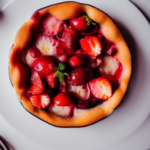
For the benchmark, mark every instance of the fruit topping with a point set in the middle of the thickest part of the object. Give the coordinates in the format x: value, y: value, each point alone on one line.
x: 51, y: 25
x: 61, y: 55
x: 62, y: 99
x: 95, y: 62
x: 101, y: 88
x: 109, y: 47
x: 37, y: 84
x: 44, y: 64
x: 63, y: 111
x: 77, y: 61
x: 34, y: 52
x: 51, y: 79
x: 82, y: 22
x: 40, y: 101
x: 81, y: 92
x: 91, y: 45
x: 80, y: 76
x: 110, y: 66
x: 70, y: 40
x: 46, y: 45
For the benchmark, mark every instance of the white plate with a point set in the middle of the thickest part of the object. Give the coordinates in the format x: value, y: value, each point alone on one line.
x: 122, y: 122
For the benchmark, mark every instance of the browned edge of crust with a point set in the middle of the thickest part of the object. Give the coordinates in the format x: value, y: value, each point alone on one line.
x: 19, y: 73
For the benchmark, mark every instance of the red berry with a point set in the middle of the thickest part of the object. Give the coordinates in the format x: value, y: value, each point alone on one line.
x: 40, y: 101
x: 44, y: 64
x: 80, y: 23
x: 77, y: 61
x: 101, y: 88
x: 80, y: 76
x: 91, y: 45
x: 51, y: 79
x: 61, y: 55
x: 70, y: 40
x: 51, y: 25
x: 37, y: 85
x: 62, y: 99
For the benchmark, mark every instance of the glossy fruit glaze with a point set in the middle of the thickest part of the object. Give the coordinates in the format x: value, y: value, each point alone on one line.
x: 72, y: 65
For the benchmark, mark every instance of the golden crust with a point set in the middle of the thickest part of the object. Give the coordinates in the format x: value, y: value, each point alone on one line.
x: 19, y: 73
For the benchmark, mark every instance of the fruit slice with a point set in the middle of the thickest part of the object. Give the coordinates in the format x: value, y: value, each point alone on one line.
x: 101, y: 88
x: 63, y: 111
x: 81, y: 92
x: 40, y: 101
x: 51, y: 79
x: 62, y: 99
x: 110, y: 66
x: 91, y: 45
x: 70, y: 40
x: 51, y: 25
x: 44, y: 64
x: 46, y: 45
x: 80, y: 76
x: 37, y: 84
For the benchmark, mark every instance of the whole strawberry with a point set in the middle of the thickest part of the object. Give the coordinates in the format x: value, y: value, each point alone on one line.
x: 82, y: 22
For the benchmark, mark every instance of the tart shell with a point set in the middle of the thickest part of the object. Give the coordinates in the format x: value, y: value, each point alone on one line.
x: 19, y: 73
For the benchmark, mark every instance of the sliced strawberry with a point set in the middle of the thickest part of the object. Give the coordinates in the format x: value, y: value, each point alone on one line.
x: 40, y: 101
x: 37, y: 84
x: 81, y: 92
x: 77, y: 61
x: 44, y: 64
x: 62, y: 99
x: 51, y: 25
x: 110, y: 66
x: 46, y: 45
x: 91, y: 45
x: 51, y: 79
x: 80, y: 23
x: 101, y: 88
x: 63, y: 111
x: 70, y: 40
x: 27, y: 57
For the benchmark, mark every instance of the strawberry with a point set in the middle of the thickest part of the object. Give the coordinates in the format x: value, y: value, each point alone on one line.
x: 37, y: 85
x: 81, y: 92
x: 101, y: 88
x: 110, y: 66
x: 61, y: 54
x: 91, y: 45
x: 51, y: 25
x: 62, y: 99
x: 80, y: 76
x: 40, y: 101
x: 77, y: 61
x: 51, y: 79
x: 81, y: 23
x: 70, y: 40
x: 46, y: 45
x: 44, y: 64
x: 34, y: 52
x: 63, y: 111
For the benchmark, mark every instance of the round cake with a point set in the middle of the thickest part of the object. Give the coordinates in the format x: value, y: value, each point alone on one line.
x: 70, y: 65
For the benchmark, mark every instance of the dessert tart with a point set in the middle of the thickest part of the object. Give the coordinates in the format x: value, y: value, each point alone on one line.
x: 70, y: 65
